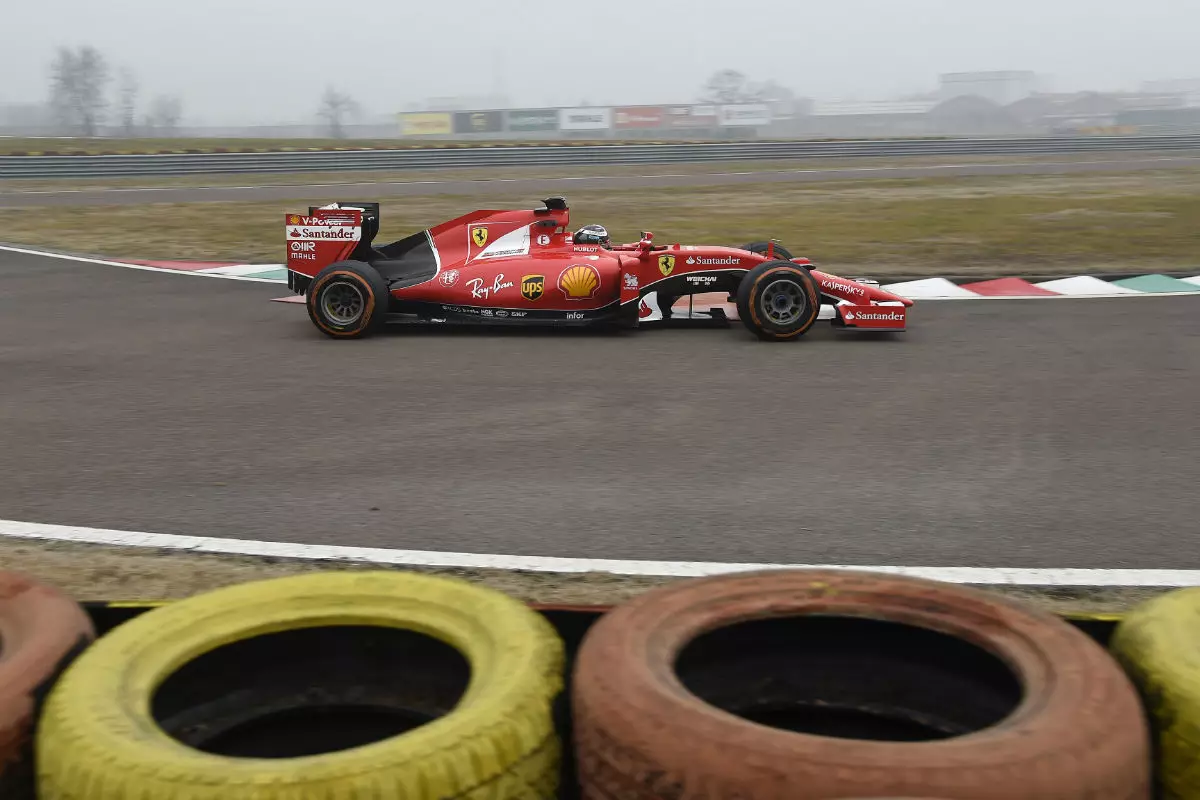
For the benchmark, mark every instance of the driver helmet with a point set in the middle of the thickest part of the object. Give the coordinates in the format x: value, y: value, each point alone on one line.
x: 593, y: 234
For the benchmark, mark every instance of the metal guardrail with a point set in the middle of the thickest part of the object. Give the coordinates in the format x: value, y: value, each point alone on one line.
x: 112, y: 166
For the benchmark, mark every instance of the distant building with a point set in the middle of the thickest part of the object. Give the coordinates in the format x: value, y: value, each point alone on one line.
x: 1002, y: 88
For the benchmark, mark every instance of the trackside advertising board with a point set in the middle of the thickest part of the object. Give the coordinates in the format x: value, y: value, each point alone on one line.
x: 744, y: 115
x: 638, y: 117
x: 425, y: 123
x: 584, y: 119
x: 531, y: 119
x: 478, y: 122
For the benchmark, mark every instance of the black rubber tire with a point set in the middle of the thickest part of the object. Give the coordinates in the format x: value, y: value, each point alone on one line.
x: 749, y: 298
x: 781, y: 252
x: 369, y: 283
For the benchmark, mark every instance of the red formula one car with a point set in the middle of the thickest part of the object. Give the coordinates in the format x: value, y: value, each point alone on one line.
x: 528, y: 268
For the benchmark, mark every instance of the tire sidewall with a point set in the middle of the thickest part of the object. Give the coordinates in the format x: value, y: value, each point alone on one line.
x: 367, y: 281
x: 750, y: 293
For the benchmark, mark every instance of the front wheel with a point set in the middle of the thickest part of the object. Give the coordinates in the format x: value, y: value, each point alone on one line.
x: 348, y: 300
x: 778, y: 300
x: 761, y: 248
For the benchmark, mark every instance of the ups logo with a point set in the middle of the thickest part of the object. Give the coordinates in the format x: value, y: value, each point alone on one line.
x: 533, y: 286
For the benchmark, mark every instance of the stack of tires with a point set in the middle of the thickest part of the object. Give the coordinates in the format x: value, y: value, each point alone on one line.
x: 785, y: 684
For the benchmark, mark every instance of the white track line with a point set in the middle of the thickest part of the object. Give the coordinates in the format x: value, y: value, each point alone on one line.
x: 429, y: 558
x: 63, y: 257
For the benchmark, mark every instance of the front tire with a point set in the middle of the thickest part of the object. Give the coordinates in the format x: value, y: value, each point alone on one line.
x: 761, y: 249
x: 778, y: 301
x: 348, y: 300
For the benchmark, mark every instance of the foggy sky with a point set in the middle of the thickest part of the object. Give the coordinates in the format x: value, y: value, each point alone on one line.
x: 266, y: 61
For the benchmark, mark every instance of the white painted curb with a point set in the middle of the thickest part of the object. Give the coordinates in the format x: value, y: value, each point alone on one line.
x: 995, y: 576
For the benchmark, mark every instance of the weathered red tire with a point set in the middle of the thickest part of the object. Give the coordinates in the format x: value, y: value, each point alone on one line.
x: 41, y: 631
x: 1074, y: 727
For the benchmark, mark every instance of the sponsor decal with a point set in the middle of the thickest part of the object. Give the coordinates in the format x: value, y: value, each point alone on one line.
x: 631, y: 281
x: 579, y: 282
x: 848, y: 288
x: 479, y: 291
x: 518, y: 313
x: 533, y: 287
x: 325, y: 233
x: 714, y: 262
x: 874, y: 315
x: 293, y: 219
x: 574, y: 315
x: 302, y: 247
x: 581, y: 248
x: 486, y: 312
x: 449, y: 277
x: 502, y: 313
x: 702, y: 280
x: 461, y: 310
x: 543, y: 239
x: 666, y: 264
x: 513, y: 243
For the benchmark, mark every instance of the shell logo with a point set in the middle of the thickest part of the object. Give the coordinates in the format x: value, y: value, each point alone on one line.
x: 293, y: 220
x: 579, y: 282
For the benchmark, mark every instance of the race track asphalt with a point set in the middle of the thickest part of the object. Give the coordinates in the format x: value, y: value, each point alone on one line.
x: 1034, y: 433
x: 260, y: 188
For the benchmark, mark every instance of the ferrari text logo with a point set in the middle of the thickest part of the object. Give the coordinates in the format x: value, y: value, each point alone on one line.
x: 666, y: 265
x: 479, y: 236
x: 533, y: 286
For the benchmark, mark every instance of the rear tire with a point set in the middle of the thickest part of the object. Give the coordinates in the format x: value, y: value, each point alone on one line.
x: 778, y: 301
x: 348, y: 300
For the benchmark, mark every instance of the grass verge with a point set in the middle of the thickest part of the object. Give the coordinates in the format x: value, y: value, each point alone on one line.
x: 1046, y: 224
x: 104, y: 573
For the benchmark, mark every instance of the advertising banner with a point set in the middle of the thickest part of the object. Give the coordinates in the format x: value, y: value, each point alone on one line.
x: 532, y: 119
x: 691, y: 116
x: 745, y: 115
x: 478, y: 122
x: 638, y: 117
x: 425, y: 123
x: 584, y: 119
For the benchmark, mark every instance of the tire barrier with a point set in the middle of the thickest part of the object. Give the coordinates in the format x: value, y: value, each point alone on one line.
x: 357, y: 684
x: 1158, y: 644
x: 817, y: 684
x: 41, y: 631
x: 792, y: 683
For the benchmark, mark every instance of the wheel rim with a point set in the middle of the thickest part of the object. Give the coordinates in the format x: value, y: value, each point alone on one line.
x: 343, y: 303
x: 783, y: 302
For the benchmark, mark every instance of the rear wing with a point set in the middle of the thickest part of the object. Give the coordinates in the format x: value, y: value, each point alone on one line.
x: 328, y: 234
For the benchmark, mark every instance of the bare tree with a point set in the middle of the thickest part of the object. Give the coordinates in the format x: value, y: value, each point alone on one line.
x: 78, y: 81
x: 127, y: 93
x: 727, y: 86
x: 335, y: 106
x: 165, y: 113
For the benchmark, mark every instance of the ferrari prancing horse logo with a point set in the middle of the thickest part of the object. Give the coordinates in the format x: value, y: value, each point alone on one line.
x: 479, y: 236
x: 666, y: 265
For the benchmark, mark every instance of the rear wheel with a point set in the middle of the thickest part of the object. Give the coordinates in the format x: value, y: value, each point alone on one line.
x: 348, y: 300
x: 778, y: 300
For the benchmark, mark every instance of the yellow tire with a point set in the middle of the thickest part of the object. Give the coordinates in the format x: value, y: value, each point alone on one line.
x: 99, y: 740
x: 1158, y: 644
